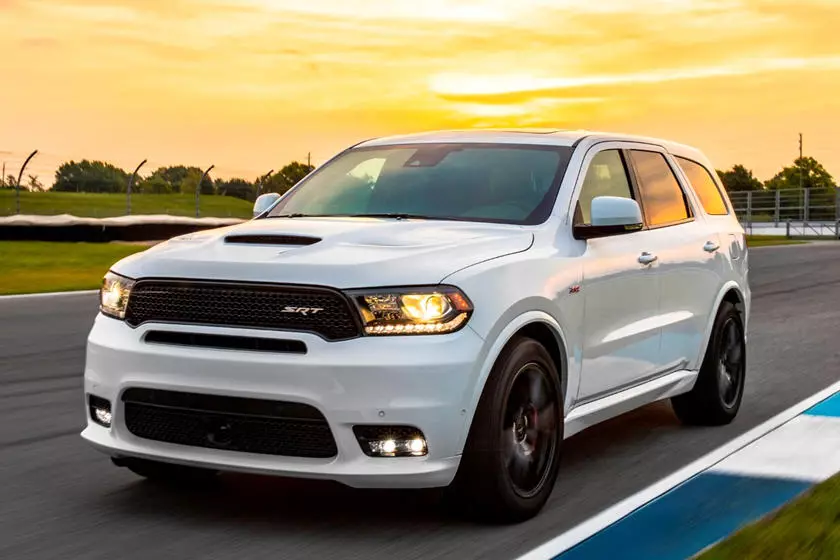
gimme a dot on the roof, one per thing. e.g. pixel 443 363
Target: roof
pixel 538 136
pixel 551 137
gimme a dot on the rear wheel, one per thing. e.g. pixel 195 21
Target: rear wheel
pixel 167 473
pixel 716 397
pixel 511 458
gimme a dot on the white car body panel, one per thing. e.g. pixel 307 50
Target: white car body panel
pixel 592 413
pixel 353 253
pixel 629 333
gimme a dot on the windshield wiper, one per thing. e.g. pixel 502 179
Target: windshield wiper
pixel 293 215
pixel 394 215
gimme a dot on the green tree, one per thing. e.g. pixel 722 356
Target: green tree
pixel 190 182
pixel 287 177
pixel 176 178
pixel 154 184
pixel 240 188
pixel 34 185
pixel 174 175
pixel 739 179
pixel 90 176
pixel 809 171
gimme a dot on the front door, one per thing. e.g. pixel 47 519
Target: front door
pixel 621 339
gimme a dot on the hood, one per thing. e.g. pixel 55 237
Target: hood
pixel 338 252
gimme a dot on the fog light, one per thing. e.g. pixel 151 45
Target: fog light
pixel 391 441
pixel 388 446
pixel 416 445
pixel 100 410
pixel 103 416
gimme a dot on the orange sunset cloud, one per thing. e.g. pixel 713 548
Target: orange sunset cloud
pixel 251 84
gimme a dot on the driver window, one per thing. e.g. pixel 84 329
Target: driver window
pixel 606 176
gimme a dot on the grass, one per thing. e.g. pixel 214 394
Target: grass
pixel 768 240
pixel 39 266
pixel 101 205
pixel 806 529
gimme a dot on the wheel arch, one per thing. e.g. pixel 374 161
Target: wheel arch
pixel 732 293
pixel 734 296
pixel 552 340
pixel 538 326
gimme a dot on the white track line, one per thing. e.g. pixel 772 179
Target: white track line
pixel 609 516
pixel 807 448
pixel 49 294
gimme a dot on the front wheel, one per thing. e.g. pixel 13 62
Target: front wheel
pixel 511 458
pixel 716 396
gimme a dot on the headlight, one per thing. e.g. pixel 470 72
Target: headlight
pixel 113 296
pixel 436 310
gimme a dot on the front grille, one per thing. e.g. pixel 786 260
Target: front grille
pixel 230 423
pixel 226 342
pixel 262 306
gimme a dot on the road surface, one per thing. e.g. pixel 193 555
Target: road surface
pixel 61 499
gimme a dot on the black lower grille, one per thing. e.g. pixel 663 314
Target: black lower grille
pixel 263 306
pixel 231 423
pixel 226 342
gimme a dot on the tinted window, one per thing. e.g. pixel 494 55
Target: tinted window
pixel 606 176
pixel 705 187
pixel 474 182
pixel 662 198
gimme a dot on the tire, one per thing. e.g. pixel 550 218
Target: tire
pixel 510 461
pixel 716 396
pixel 168 473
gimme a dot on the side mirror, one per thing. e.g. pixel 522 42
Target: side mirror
pixel 264 202
pixel 611 215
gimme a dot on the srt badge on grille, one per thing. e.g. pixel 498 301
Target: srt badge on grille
pixel 302 310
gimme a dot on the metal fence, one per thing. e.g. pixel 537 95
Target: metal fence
pixel 791 212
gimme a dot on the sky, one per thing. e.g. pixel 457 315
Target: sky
pixel 248 85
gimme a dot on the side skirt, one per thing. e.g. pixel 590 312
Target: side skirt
pixel 595 412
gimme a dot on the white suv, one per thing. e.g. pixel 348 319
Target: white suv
pixel 427 311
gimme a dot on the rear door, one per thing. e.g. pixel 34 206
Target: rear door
pixel 686 246
pixel 621 295
pixel 729 259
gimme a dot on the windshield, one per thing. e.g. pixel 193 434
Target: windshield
pixel 515 184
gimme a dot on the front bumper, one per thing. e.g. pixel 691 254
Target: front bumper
pixel 422 381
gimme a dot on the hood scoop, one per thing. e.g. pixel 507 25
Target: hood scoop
pixel 271 239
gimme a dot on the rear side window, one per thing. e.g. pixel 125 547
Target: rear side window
pixel 663 200
pixel 705 187
pixel 606 176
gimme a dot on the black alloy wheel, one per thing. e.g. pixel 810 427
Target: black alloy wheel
pixel 719 389
pixel 512 455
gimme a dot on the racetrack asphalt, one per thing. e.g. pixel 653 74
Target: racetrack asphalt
pixel 61 499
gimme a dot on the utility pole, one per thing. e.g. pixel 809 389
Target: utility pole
pixel 309 159
pixel 131 184
pixel 17 185
pixel 801 182
pixel 198 190
pixel 3 176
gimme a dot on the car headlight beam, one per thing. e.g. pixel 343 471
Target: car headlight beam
pixel 406 311
pixel 113 295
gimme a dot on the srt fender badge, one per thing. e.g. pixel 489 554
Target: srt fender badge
pixel 302 310
pixel 574 289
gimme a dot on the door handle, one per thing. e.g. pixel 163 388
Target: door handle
pixel 711 246
pixel 647 258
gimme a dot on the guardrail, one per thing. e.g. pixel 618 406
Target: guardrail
pixel 790 212
pixel 103 230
